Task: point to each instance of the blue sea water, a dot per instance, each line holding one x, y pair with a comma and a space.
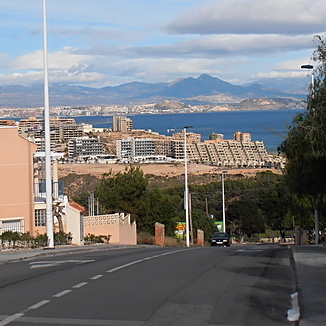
267, 126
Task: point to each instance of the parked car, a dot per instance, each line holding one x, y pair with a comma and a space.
220, 238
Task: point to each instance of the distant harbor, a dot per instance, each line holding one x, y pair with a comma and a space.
267, 126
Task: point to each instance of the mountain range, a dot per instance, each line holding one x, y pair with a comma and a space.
202, 90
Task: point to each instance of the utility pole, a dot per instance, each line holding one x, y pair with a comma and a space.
48, 172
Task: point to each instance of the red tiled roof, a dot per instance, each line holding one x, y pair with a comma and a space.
75, 205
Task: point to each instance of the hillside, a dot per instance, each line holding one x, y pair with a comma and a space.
205, 90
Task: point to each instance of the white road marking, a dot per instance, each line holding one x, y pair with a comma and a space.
294, 313
77, 286
96, 277
123, 266
10, 319
47, 263
248, 250
39, 304
144, 259
62, 293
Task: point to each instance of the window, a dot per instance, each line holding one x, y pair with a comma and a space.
40, 217
13, 226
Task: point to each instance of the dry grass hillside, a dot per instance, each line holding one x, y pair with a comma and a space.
80, 178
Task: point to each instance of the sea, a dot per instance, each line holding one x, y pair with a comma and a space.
269, 126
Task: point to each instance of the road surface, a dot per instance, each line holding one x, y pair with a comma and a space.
240, 285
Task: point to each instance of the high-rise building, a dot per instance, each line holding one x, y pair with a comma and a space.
242, 136
215, 136
121, 123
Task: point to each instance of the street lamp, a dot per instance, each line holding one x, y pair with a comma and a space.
48, 176
223, 200
310, 67
186, 194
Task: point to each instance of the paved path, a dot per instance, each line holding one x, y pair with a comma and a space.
310, 264
14, 255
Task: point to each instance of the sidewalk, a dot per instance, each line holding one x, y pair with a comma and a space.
310, 264
21, 254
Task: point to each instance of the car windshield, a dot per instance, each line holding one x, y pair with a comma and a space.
220, 234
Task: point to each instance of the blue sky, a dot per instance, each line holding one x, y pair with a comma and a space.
109, 42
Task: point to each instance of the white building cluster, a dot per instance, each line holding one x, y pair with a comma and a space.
219, 152
66, 135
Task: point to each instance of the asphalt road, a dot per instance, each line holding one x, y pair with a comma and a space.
240, 285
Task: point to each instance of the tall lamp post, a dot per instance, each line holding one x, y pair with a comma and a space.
48, 177
310, 67
223, 200
186, 194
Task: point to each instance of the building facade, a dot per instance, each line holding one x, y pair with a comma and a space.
224, 153
16, 181
121, 123
83, 147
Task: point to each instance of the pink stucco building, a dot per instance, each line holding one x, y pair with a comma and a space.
16, 181
22, 205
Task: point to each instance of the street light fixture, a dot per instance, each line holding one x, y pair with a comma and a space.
186, 194
310, 67
223, 200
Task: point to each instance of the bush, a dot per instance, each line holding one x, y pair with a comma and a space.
61, 238
92, 238
145, 238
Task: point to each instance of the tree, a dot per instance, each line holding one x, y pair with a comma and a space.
123, 192
305, 146
158, 206
247, 216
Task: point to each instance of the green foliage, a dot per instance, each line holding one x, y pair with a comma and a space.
16, 239
201, 221
92, 238
251, 203
123, 192
248, 216
61, 238
305, 146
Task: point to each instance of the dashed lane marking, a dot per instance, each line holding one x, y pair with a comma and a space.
38, 305
10, 319
144, 259
77, 286
62, 293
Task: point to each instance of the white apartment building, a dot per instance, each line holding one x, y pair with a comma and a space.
135, 147
83, 147
223, 153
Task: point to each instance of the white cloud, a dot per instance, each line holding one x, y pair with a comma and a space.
55, 76
282, 74
62, 59
253, 17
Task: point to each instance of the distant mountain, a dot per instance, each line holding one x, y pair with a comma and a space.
205, 89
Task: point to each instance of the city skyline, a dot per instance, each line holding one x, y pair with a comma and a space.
107, 43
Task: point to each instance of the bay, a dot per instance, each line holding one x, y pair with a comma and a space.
269, 126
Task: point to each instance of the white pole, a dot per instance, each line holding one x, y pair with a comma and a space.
223, 201
48, 176
186, 188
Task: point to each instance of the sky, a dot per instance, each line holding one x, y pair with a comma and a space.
102, 43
